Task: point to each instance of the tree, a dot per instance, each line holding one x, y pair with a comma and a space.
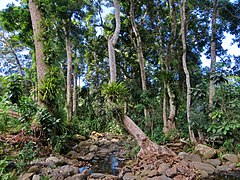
213, 52
69, 72
42, 67
139, 49
112, 42
184, 62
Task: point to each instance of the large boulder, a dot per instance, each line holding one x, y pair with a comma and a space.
205, 151
210, 169
190, 157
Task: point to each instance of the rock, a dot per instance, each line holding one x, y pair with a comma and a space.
214, 162
153, 173
204, 166
77, 177
68, 170
162, 168
203, 173
190, 157
57, 176
34, 169
205, 151
87, 157
183, 163
93, 148
171, 172
103, 152
129, 176
72, 155
26, 176
115, 140
163, 177
36, 177
79, 137
232, 165
97, 175
223, 168
231, 157
179, 177
55, 160
111, 177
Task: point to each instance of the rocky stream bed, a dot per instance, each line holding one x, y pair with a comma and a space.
109, 157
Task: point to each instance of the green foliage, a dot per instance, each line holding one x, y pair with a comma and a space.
51, 125
4, 172
115, 92
26, 155
59, 143
14, 88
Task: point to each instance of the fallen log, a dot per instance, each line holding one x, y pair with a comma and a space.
147, 147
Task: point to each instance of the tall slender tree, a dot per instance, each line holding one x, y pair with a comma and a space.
112, 42
213, 52
185, 68
139, 49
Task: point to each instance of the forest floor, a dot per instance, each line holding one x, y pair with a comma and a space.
101, 156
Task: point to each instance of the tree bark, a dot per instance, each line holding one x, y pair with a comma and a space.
184, 62
42, 67
75, 83
139, 53
169, 122
213, 54
69, 75
112, 42
147, 147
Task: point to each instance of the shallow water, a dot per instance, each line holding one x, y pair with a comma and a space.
109, 165
235, 175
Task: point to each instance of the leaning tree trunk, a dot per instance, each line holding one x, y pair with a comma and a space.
147, 147
213, 53
69, 75
139, 53
112, 42
42, 67
184, 62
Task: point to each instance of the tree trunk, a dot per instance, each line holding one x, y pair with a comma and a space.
139, 53
172, 104
42, 67
112, 42
75, 84
69, 76
213, 53
184, 62
170, 121
147, 147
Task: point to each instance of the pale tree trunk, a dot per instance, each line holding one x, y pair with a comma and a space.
164, 94
169, 121
213, 53
69, 76
75, 83
172, 105
184, 62
147, 147
42, 67
139, 53
112, 42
